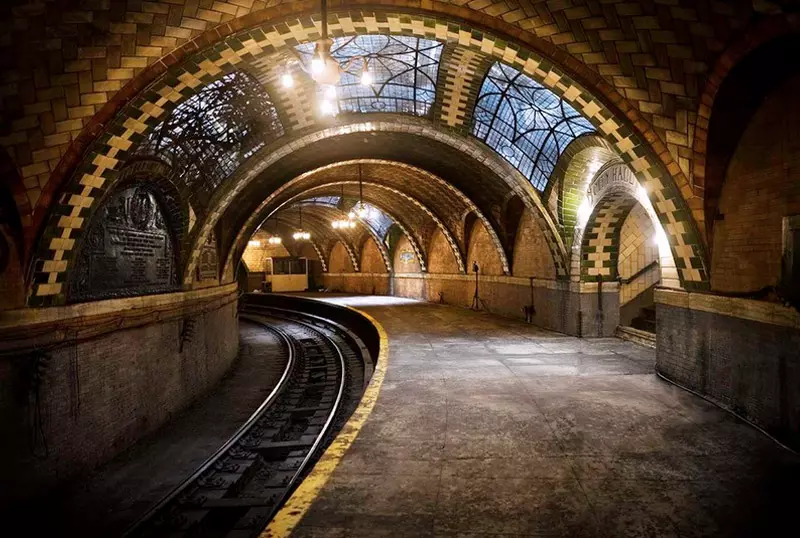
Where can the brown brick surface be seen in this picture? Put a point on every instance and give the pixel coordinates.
(101, 395)
(622, 42)
(761, 187)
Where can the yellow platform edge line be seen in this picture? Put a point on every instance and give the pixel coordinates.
(301, 500)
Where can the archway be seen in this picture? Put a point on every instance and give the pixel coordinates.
(619, 242)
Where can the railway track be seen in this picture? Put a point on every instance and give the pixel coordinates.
(238, 490)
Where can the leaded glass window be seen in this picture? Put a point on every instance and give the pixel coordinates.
(525, 122)
(325, 200)
(376, 219)
(404, 69)
(211, 133)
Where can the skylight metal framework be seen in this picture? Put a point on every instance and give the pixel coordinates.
(404, 70)
(525, 122)
(376, 219)
(209, 135)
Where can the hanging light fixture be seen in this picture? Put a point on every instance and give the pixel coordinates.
(344, 224)
(360, 208)
(274, 239)
(301, 235)
(326, 71)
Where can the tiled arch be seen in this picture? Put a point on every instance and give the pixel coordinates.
(600, 248)
(142, 113)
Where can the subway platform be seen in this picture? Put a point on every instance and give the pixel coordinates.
(486, 426)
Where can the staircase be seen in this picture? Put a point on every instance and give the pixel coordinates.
(646, 320)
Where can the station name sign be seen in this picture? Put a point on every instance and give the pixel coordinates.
(612, 177)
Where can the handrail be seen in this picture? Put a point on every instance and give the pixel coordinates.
(639, 273)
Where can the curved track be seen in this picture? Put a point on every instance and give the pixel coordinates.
(240, 487)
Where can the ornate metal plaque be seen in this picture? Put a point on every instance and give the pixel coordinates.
(127, 251)
(207, 266)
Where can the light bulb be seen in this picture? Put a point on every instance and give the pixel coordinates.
(352, 224)
(287, 80)
(327, 108)
(366, 78)
(351, 215)
(278, 240)
(330, 92)
(306, 235)
(254, 243)
(317, 65)
(335, 224)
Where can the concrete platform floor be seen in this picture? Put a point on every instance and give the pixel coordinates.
(486, 426)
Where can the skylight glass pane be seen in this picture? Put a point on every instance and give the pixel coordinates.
(404, 69)
(525, 122)
(379, 221)
(206, 137)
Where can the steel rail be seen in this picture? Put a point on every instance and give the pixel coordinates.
(334, 408)
(225, 447)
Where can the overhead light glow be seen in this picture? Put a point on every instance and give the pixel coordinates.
(661, 239)
(253, 243)
(641, 192)
(361, 210)
(584, 212)
(287, 80)
(275, 240)
(327, 108)
(366, 78)
(317, 65)
(330, 92)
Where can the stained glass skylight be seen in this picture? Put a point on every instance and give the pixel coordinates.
(324, 200)
(209, 135)
(404, 69)
(379, 221)
(525, 122)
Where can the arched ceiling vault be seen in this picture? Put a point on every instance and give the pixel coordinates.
(387, 185)
(481, 175)
(316, 221)
(412, 216)
(199, 64)
(355, 237)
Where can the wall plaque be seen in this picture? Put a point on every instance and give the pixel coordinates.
(207, 267)
(127, 250)
(406, 256)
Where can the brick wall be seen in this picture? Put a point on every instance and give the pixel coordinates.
(440, 255)
(482, 248)
(637, 249)
(531, 253)
(371, 259)
(101, 395)
(340, 260)
(12, 287)
(750, 366)
(256, 256)
(761, 186)
(560, 306)
(405, 261)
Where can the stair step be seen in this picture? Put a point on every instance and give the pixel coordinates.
(636, 336)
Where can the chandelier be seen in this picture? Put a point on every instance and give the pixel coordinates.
(344, 224)
(300, 234)
(360, 210)
(326, 71)
(274, 239)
